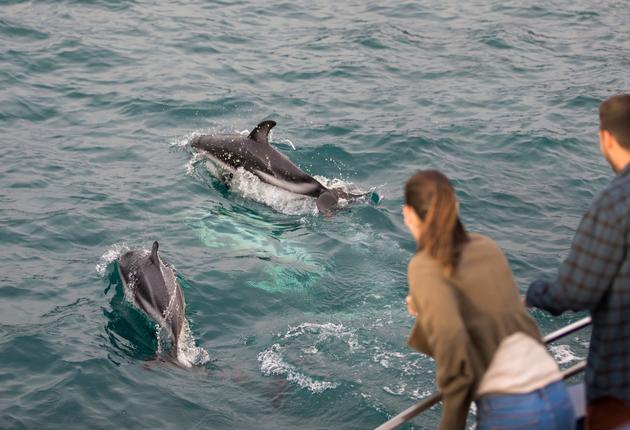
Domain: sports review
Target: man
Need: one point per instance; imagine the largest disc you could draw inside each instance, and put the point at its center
(596, 277)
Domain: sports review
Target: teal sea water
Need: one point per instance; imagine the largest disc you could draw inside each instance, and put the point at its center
(301, 316)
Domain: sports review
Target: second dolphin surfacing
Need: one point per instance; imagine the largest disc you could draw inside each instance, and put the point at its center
(155, 290)
(254, 154)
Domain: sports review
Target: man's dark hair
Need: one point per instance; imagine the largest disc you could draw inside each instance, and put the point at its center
(614, 117)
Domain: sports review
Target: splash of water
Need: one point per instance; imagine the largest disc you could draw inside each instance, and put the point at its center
(288, 142)
(188, 353)
(273, 360)
(111, 255)
(272, 363)
(249, 186)
(184, 141)
(309, 347)
(325, 331)
(563, 354)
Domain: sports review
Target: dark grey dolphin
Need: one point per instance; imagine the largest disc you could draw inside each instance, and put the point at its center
(155, 290)
(254, 154)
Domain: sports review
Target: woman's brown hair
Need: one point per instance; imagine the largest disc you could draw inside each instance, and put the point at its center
(432, 197)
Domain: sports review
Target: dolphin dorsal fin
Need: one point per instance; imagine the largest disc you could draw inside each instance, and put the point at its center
(154, 254)
(261, 133)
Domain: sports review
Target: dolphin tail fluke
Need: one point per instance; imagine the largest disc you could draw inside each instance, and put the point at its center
(327, 201)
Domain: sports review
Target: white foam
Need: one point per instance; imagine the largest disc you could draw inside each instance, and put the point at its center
(325, 331)
(192, 163)
(288, 142)
(419, 394)
(249, 186)
(310, 350)
(396, 390)
(339, 184)
(272, 363)
(385, 358)
(272, 360)
(110, 256)
(188, 353)
(184, 142)
(563, 354)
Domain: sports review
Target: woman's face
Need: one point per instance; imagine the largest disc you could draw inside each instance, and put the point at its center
(412, 221)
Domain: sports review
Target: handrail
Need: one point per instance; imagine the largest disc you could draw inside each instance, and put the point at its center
(411, 412)
(435, 398)
(574, 370)
(567, 330)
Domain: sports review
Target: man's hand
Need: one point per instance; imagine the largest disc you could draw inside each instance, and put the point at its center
(410, 307)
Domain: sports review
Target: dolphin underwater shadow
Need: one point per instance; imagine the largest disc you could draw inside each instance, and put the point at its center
(254, 154)
(151, 286)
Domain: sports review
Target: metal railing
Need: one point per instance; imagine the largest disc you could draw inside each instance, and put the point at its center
(435, 398)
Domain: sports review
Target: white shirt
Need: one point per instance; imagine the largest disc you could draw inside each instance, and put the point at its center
(519, 365)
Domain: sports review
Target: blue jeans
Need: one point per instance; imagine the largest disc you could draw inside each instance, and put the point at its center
(547, 408)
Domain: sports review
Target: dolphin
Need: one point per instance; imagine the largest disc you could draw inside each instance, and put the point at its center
(155, 291)
(254, 154)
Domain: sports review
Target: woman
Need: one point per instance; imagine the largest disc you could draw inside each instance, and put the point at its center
(469, 318)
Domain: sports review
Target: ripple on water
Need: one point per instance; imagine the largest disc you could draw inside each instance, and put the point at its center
(328, 356)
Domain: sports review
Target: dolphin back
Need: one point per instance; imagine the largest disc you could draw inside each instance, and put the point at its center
(155, 290)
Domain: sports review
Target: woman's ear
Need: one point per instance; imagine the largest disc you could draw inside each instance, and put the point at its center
(408, 216)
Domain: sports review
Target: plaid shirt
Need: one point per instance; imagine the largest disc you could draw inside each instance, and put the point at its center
(596, 277)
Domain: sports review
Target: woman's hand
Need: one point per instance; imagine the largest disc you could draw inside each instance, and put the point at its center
(410, 307)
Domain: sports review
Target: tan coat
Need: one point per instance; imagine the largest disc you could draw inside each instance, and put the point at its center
(463, 318)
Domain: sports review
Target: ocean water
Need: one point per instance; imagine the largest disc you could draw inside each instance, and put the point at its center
(301, 316)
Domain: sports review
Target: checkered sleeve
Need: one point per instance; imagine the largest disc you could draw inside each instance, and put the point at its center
(596, 254)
